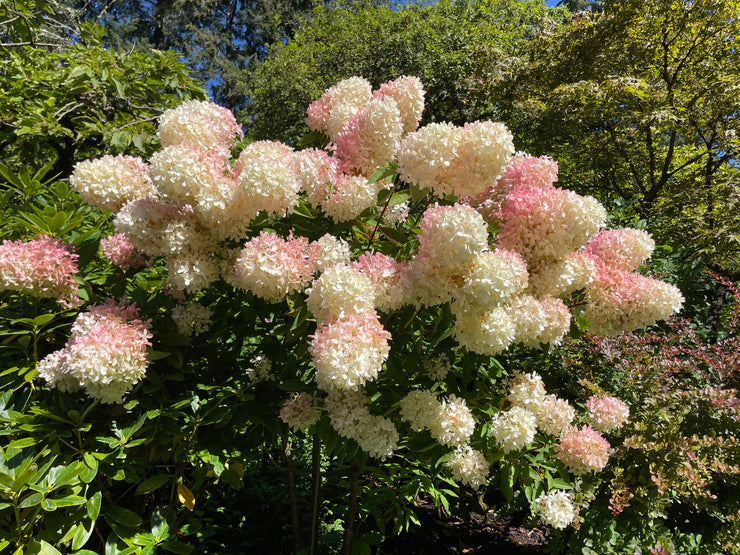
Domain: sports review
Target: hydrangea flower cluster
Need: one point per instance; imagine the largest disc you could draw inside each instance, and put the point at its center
(351, 418)
(505, 256)
(191, 318)
(349, 352)
(583, 450)
(451, 160)
(111, 182)
(260, 369)
(105, 355)
(42, 268)
(450, 422)
(556, 509)
(300, 411)
(607, 413)
(532, 409)
(468, 466)
(272, 267)
(122, 252)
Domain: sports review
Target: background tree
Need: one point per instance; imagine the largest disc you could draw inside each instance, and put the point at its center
(61, 103)
(218, 38)
(448, 45)
(639, 105)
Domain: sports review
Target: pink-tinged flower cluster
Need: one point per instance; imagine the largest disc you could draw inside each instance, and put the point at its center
(607, 413)
(350, 351)
(547, 223)
(370, 137)
(112, 181)
(300, 411)
(621, 249)
(199, 124)
(462, 161)
(340, 291)
(529, 171)
(42, 267)
(350, 417)
(624, 301)
(384, 274)
(316, 170)
(337, 105)
(408, 92)
(123, 253)
(105, 355)
(272, 267)
(583, 450)
(468, 466)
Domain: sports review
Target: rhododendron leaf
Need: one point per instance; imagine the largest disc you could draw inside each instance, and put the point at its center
(122, 516)
(93, 505)
(43, 319)
(83, 533)
(186, 496)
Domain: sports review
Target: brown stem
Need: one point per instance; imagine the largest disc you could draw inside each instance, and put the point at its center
(349, 523)
(316, 463)
(293, 496)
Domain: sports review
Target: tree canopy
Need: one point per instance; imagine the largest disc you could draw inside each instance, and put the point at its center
(64, 102)
(219, 39)
(449, 45)
(639, 104)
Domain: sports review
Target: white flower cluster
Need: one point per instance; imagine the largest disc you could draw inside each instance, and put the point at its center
(454, 423)
(260, 369)
(112, 181)
(468, 466)
(514, 429)
(532, 409)
(450, 422)
(556, 509)
(330, 250)
(340, 290)
(350, 417)
(438, 367)
(191, 318)
(461, 161)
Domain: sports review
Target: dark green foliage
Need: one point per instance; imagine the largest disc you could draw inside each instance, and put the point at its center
(451, 46)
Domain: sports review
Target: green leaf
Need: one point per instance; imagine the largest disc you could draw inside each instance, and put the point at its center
(93, 505)
(177, 547)
(122, 516)
(69, 501)
(152, 483)
(31, 500)
(43, 319)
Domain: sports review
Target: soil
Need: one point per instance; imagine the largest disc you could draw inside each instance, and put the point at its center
(483, 534)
